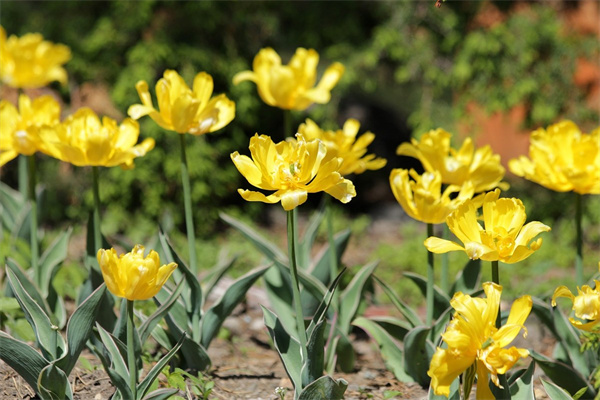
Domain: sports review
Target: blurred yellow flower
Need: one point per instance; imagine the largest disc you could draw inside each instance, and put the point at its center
(504, 237)
(292, 86)
(83, 140)
(19, 129)
(481, 166)
(562, 158)
(422, 197)
(344, 144)
(586, 305)
(474, 340)
(291, 168)
(133, 276)
(182, 109)
(30, 61)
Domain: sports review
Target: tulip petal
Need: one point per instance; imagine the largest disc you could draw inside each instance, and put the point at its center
(249, 195)
(292, 199)
(439, 246)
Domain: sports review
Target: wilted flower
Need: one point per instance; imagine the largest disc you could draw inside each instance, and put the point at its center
(292, 86)
(133, 276)
(481, 167)
(474, 341)
(344, 144)
(291, 168)
(182, 109)
(586, 305)
(422, 197)
(83, 140)
(30, 61)
(504, 237)
(19, 129)
(562, 158)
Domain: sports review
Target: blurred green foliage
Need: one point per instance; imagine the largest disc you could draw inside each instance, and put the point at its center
(410, 58)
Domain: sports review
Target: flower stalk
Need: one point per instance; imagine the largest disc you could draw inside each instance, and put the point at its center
(33, 220)
(333, 265)
(445, 273)
(496, 280)
(187, 199)
(295, 285)
(96, 210)
(579, 239)
(430, 279)
(131, 364)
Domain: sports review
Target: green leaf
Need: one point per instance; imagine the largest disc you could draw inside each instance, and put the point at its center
(177, 313)
(324, 306)
(161, 394)
(324, 388)
(320, 268)
(440, 300)
(191, 279)
(468, 278)
(194, 354)
(287, 346)
(397, 328)
(271, 251)
(155, 371)
(408, 313)
(216, 273)
(562, 374)
(555, 392)
(279, 293)
(417, 354)
(521, 387)
(22, 358)
(352, 295)
(80, 327)
(312, 368)
(51, 258)
(390, 351)
(28, 285)
(148, 325)
(439, 325)
(51, 343)
(115, 350)
(53, 384)
(214, 317)
(346, 357)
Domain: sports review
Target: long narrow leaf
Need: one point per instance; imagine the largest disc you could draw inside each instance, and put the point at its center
(51, 343)
(307, 241)
(324, 306)
(158, 367)
(114, 350)
(161, 394)
(468, 278)
(312, 367)
(148, 325)
(287, 347)
(320, 268)
(554, 391)
(522, 387)
(22, 358)
(216, 273)
(440, 300)
(563, 375)
(80, 327)
(405, 310)
(28, 285)
(352, 295)
(324, 388)
(214, 317)
(51, 258)
(417, 354)
(53, 384)
(390, 351)
(194, 354)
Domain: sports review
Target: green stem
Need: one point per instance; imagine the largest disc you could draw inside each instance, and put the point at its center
(33, 227)
(430, 279)
(579, 239)
(333, 261)
(23, 176)
(496, 280)
(187, 199)
(96, 211)
(295, 285)
(131, 364)
(287, 123)
(445, 273)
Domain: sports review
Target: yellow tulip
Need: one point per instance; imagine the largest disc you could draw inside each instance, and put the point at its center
(83, 140)
(504, 237)
(344, 144)
(481, 166)
(562, 158)
(30, 61)
(422, 197)
(291, 168)
(133, 276)
(474, 340)
(182, 109)
(292, 86)
(586, 305)
(19, 129)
